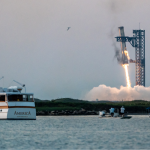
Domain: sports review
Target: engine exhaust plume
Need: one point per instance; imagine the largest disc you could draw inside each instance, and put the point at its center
(125, 66)
(103, 92)
(127, 75)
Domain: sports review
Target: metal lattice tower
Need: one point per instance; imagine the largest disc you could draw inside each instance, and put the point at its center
(137, 41)
(140, 56)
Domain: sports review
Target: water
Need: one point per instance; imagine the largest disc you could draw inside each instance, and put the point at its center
(75, 132)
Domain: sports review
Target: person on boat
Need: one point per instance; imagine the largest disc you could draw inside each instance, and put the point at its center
(101, 113)
(122, 109)
(112, 111)
(116, 112)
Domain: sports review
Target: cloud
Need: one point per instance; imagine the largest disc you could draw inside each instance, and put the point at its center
(103, 92)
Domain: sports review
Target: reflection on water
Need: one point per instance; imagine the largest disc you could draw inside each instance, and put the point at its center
(76, 132)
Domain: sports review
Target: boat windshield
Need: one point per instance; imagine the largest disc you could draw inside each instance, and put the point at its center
(27, 98)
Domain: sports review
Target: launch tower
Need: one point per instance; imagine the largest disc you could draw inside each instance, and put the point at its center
(137, 41)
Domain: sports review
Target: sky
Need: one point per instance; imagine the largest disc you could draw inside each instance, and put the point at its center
(37, 50)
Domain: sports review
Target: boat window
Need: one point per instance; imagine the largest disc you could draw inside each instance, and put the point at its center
(2, 98)
(30, 98)
(27, 98)
(15, 97)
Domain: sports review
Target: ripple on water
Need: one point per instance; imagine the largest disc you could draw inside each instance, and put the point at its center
(75, 132)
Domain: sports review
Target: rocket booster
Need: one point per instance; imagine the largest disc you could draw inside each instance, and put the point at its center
(123, 47)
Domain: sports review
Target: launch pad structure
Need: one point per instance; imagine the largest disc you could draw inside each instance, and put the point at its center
(137, 41)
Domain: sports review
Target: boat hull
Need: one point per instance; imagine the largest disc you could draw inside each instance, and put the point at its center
(18, 114)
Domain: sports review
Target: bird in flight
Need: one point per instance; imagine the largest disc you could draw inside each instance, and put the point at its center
(68, 28)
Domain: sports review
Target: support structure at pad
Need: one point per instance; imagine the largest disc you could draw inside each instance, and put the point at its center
(137, 41)
(140, 56)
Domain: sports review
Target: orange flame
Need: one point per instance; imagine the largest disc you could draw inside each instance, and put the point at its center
(127, 54)
(127, 75)
(126, 70)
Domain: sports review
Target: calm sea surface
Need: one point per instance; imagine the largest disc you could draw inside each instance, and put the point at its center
(76, 132)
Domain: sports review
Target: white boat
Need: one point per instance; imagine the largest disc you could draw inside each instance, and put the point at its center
(16, 105)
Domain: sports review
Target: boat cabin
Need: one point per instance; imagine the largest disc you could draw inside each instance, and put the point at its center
(12, 94)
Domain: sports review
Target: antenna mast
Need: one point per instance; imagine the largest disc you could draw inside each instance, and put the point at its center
(23, 85)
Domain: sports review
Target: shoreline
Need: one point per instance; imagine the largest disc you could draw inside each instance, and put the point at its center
(128, 114)
(138, 114)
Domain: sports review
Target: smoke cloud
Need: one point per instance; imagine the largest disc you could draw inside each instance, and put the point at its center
(116, 49)
(117, 53)
(103, 92)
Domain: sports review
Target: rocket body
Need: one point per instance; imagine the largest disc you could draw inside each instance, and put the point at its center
(123, 47)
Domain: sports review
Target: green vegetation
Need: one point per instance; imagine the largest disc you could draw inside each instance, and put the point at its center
(136, 106)
(56, 108)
